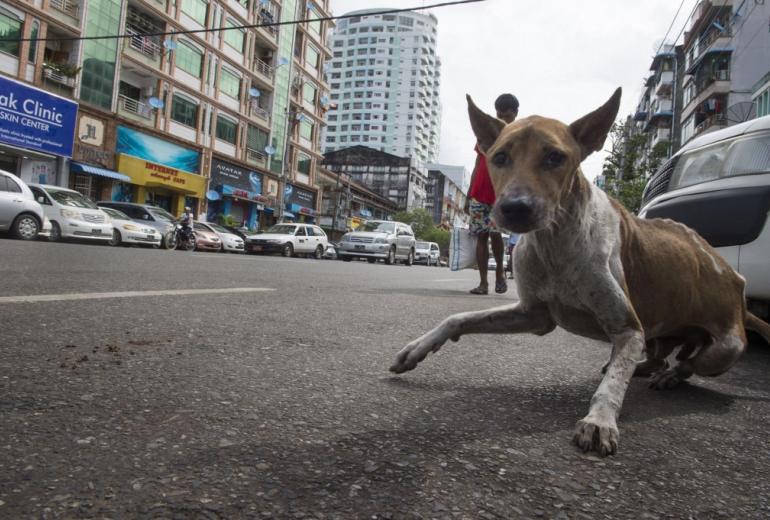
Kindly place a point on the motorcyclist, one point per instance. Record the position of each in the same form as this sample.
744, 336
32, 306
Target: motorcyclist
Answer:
186, 221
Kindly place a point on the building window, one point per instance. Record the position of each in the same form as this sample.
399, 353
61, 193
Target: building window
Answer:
184, 111
308, 93
306, 129
234, 37
229, 83
189, 59
196, 9
33, 44
97, 77
303, 163
312, 57
226, 129
256, 139
10, 29
314, 25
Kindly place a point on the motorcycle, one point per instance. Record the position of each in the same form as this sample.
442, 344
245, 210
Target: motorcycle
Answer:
183, 240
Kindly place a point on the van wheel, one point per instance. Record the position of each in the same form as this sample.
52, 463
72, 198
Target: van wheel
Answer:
391, 259
55, 234
288, 249
26, 227
409, 259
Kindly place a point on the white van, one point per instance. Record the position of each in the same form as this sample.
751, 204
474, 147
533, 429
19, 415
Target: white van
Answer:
719, 185
71, 214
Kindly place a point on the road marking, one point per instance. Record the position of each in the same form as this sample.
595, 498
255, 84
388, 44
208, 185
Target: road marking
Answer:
449, 280
125, 294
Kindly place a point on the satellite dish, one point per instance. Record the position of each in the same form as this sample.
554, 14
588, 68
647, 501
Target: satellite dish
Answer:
282, 61
213, 195
740, 112
170, 45
269, 150
254, 92
156, 103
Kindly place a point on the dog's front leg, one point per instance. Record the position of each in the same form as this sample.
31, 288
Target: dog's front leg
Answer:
499, 320
598, 431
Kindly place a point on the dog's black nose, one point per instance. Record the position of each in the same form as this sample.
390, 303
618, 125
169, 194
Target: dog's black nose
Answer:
517, 210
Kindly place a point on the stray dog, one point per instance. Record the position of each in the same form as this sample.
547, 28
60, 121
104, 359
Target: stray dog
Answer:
586, 264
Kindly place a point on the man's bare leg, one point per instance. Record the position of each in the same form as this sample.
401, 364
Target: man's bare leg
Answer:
482, 259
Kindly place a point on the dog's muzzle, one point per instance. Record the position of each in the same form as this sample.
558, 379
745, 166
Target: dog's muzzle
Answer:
517, 214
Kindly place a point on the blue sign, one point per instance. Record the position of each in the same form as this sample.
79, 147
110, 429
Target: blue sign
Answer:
153, 149
36, 120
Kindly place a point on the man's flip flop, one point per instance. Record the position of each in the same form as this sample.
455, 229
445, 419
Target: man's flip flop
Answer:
501, 287
480, 290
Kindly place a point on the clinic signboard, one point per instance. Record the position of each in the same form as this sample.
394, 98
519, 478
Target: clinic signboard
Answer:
33, 119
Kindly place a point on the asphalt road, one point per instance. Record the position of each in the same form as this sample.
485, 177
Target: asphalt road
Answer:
279, 403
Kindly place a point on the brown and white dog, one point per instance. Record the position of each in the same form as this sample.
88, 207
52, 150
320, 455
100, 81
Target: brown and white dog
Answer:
587, 265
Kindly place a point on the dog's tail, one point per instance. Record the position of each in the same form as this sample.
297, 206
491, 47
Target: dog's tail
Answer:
757, 325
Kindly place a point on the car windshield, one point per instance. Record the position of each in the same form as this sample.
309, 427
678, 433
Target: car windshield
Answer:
421, 245
282, 229
161, 214
71, 198
115, 213
378, 227
218, 228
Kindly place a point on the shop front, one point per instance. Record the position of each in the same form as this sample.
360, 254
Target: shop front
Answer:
36, 132
235, 195
299, 204
160, 173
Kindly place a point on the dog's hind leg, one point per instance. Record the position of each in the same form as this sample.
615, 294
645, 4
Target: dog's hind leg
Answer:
714, 357
508, 319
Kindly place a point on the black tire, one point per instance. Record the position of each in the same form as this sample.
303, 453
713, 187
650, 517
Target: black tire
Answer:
169, 241
55, 235
371, 260
346, 258
391, 259
319, 252
191, 244
288, 250
26, 227
409, 259
116, 238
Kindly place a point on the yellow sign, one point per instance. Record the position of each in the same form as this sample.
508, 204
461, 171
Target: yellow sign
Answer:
146, 173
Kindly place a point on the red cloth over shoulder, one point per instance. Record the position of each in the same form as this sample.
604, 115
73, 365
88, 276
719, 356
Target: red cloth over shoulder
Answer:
482, 190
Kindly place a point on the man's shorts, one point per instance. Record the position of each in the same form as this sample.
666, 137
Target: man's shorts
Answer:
481, 221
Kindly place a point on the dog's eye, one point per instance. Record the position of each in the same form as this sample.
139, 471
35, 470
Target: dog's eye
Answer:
553, 160
499, 159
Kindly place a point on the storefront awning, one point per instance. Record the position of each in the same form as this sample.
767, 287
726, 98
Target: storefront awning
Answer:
95, 170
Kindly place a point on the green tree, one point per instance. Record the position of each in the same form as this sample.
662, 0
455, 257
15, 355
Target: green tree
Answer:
439, 236
419, 219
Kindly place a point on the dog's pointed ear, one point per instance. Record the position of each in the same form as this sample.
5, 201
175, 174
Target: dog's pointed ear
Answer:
591, 130
486, 127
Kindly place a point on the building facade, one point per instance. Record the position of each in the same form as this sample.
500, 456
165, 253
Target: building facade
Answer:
444, 199
385, 82
227, 121
402, 180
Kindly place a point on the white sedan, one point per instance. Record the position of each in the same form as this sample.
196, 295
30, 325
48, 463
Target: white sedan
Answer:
127, 231
230, 241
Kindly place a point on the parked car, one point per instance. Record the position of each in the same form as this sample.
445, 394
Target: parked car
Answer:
289, 239
125, 231
426, 253
206, 239
72, 214
331, 251
719, 185
152, 216
388, 240
20, 213
229, 240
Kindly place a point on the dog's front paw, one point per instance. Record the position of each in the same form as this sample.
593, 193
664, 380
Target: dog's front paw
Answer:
417, 350
599, 435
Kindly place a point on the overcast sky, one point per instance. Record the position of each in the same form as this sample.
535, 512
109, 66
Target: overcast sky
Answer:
560, 58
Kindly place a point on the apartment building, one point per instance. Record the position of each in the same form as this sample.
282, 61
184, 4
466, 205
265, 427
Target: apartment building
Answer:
226, 121
385, 79
445, 194
401, 180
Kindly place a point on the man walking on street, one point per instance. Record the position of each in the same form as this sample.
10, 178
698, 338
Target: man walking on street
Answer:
481, 198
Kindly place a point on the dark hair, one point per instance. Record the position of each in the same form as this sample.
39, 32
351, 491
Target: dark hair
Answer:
506, 103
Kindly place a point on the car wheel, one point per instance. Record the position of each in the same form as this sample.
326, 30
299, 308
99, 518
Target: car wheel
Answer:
169, 241
409, 259
288, 250
391, 259
26, 227
55, 234
346, 258
115, 240
371, 260
319, 252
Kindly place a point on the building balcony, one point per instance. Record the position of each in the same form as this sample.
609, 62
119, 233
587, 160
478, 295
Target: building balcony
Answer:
256, 157
665, 83
67, 11
263, 71
58, 78
268, 13
660, 135
712, 122
143, 48
260, 114
711, 85
134, 109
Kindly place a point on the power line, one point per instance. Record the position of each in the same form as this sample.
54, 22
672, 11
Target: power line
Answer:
238, 27
663, 41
